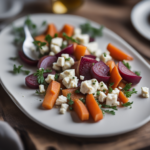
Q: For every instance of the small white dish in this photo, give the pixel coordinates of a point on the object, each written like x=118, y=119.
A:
x=139, y=18
x=125, y=119
x=10, y=8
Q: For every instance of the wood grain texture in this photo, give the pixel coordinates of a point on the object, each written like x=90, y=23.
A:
x=117, y=18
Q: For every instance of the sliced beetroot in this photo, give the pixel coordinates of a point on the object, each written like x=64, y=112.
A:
x=100, y=71
x=31, y=80
x=85, y=66
x=90, y=56
x=46, y=61
x=128, y=75
x=27, y=60
x=68, y=50
x=92, y=39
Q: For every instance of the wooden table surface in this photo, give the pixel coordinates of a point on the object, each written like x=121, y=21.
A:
x=117, y=18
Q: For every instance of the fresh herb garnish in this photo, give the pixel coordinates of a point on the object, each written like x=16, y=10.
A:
x=77, y=91
x=82, y=100
x=104, y=90
x=19, y=70
x=70, y=101
x=128, y=104
x=48, y=38
x=40, y=77
x=107, y=106
x=127, y=87
x=47, y=70
x=30, y=23
x=44, y=23
x=112, y=112
x=98, y=93
x=70, y=38
x=93, y=83
x=126, y=64
x=137, y=73
x=56, y=76
x=56, y=35
x=110, y=87
x=39, y=44
x=63, y=45
x=105, y=55
x=37, y=92
x=129, y=93
x=93, y=32
x=67, y=59
x=13, y=58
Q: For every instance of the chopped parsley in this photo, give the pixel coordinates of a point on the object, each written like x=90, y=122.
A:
x=56, y=35
x=92, y=31
x=126, y=64
x=44, y=23
x=18, y=69
x=93, y=83
x=98, y=93
x=110, y=87
x=128, y=104
x=137, y=73
x=112, y=112
x=39, y=44
x=82, y=100
x=70, y=38
x=67, y=59
x=37, y=92
x=70, y=101
x=127, y=87
x=107, y=106
x=77, y=91
x=13, y=58
x=56, y=76
x=48, y=38
x=105, y=55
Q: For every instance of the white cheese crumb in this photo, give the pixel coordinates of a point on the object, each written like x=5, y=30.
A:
x=92, y=47
x=51, y=53
x=83, y=38
x=98, y=59
x=54, y=48
x=77, y=31
x=105, y=57
x=120, y=87
x=111, y=100
x=61, y=61
x=49, y=78
x=57, y=41
x=66, y=66
x=56, y=67
x=44, y=49
x=89, y=86
x=69, y=72
x=65, y=55
x=61, y=100
x=41, y=88
x=102, y=97
x=81, y=77
x=115, y=91
x=63, y=108
x=145, y=92
x=102, y=86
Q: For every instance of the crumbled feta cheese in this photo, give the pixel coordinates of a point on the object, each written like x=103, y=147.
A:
x=65, y=55
x=32, y=48
x=120, y=87
x=83, y=38
x=70, y=82
x=102, y=86
x=98, y=59
x=61, y=100
x=63, y=108
x=57, y=41
x=56, y=67
x=92, y=47
x=89, y=86
x=71, y=61
x=44, y=49
x=81, y=77
x=49, y=78
x=105, y=57
x=102, y=97
x=77, y=31
x=115, y=91
x=111, y=100
x=69, y=72
x=65, y=42
x=41, y=88
x=67, y=65
x=54, y=48
x=61, y=61
x=97, y=53
x=51, y=53
x=145, y=92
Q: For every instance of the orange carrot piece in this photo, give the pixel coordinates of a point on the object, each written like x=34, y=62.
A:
x=51, y=30
x=93, y=108
x=68, y=29
x=51, y=95
x=115, y=77
x=117, y=53
x=122, y=97
x=110, y=64
x=121, y=84
x=79, y=51
x=40, y=38
x=73, y=94
x=81, y=110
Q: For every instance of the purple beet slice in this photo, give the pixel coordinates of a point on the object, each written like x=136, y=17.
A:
x=100, y=71
x=92, y=39
x=46, y=61
x=127, y=74
x=85, y=67
x=26, y=59
x=31, y=80
x=68, y=50
x=90, y=56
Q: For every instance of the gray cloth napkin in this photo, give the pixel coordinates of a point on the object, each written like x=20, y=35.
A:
x=9, y=139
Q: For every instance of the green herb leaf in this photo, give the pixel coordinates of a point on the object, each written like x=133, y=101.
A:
x=107, y=106
x=70, y=102
x=129, y=93
x=13, y=58
x=127, y=104
x=98, y=93
x=47, y=70
x=70, y=38
x=56, y=76
x=126, y=64
x=19, y=70
x=105, y=55
x=110, y=87
x=40, y=77
x=67, y=59
x=82, y=100
x=127, y=87
x=37, y=92
x=137, y=73
x=48, y=38
x=44, y=23
x=112, y=112
x=77, y=91
x=56, y=35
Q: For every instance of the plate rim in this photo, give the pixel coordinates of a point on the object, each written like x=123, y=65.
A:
x=70, y=134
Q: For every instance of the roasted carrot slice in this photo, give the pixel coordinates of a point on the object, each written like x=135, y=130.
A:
x=79, y=51
x=93, y=108
x=121, y=84
x=68, y=29
x=81, y=110
x=74, y=95
x=40, y=38
x=51, y=95
x=110, y=64
x=122, y=97
x=115, y=77
x=117, y=54
x=51, y=30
